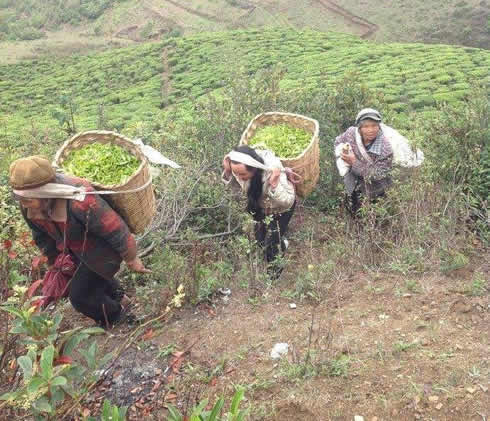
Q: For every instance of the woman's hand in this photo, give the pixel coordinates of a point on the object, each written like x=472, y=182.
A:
x=227, y=165
x=274, y=177
x=136, y=265
x=349, y=157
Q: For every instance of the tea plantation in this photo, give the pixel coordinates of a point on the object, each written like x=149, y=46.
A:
x=137, y=83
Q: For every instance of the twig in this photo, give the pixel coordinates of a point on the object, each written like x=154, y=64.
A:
x=147, y=250
x=310, y=334
x=105, y=315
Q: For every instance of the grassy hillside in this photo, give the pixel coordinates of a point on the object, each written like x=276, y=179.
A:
x=105, y=23
x=462, y=22
x=30, y=19
x=134, y=83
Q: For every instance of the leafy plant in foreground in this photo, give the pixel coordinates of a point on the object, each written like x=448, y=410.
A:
x=200, y=414
x=50, y=375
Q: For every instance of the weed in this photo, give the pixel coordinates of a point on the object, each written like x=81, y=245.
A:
x=478, y=287
x=400, y=347
x=199, y=413
x=339, y=366
x=412, y=285
x=111, y=412
x=166, y=351
x=474, y=372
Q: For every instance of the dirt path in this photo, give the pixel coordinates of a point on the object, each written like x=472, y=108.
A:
x=194, y=12
x=166, y=87
x=382, y=346
x=369, y=27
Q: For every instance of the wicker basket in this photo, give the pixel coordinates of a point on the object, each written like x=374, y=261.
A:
x=307, y=164
x=138, y=208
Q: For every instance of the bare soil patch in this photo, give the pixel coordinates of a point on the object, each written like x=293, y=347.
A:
x=379, y=350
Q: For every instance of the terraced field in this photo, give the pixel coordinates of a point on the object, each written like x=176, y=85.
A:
x=132, y=85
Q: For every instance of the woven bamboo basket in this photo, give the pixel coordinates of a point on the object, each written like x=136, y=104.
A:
x=306, y=164
x=137, y=208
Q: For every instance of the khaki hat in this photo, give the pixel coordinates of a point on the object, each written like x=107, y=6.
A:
x=30, y=172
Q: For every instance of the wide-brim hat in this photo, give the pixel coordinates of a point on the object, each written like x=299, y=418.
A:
x=28, y=173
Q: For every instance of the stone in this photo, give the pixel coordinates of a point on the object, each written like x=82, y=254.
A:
x=292, y=305
x=279, y=350
x=358, y=418
x=433, y=398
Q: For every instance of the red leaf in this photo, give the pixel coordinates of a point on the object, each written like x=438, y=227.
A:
x=148, y=335
x=171, y=397
x=38, y=260
x=38, y=303
x=64, y=359
x=7, y=244
x=33, y=288
x=213, y=381
x=177, y=361
x=12, y=254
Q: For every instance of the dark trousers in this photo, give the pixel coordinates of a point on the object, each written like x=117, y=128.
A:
x=354, y=202
x=94, y=296
x=269, y=235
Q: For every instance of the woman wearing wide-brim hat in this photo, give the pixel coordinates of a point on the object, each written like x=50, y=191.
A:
x=65, y=220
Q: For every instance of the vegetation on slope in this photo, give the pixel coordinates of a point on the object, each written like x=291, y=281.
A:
x=462, y=22
x=433, y=223
x=29, y=19
x=115, y=88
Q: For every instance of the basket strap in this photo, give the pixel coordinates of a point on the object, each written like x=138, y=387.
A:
x=137, y=189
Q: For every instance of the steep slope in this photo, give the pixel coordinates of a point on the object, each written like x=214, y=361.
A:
x=135, y=83
x=463, y=22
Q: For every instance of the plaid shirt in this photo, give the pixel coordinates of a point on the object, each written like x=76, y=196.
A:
x=371, y=178
x=93, y=232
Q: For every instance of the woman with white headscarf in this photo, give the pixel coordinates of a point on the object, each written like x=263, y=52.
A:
x=271, y=197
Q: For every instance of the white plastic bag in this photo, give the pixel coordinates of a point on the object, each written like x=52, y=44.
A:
x=403, y=154
x=154, y=156
x=342, y=166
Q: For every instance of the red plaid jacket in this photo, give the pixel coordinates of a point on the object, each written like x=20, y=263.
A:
x=94, y=233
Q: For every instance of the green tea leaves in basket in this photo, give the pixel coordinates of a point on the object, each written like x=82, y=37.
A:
x=102, y=163
x=284, y=140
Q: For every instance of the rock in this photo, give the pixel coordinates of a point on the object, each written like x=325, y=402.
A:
x=224, y=291
x=118, y=381
x=292, y=305
x=471, y=390
x=358, y=418
x=279, y=350
x=439, y=406
x=433, y=398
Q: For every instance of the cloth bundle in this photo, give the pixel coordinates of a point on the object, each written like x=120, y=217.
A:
x=55, y=282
